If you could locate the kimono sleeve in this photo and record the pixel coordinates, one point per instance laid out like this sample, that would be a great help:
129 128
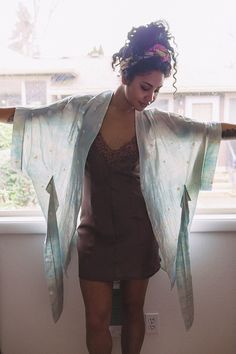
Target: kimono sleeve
213 139
208 135
41 136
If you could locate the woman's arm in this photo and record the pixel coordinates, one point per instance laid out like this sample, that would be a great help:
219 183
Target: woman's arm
228 131
7 115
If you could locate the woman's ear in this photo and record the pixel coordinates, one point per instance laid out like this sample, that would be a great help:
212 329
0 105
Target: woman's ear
124 79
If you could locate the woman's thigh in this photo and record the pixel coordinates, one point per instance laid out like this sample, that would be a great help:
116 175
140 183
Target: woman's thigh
97 296
133 294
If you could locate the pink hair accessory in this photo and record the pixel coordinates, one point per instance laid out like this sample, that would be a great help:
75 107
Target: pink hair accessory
158 49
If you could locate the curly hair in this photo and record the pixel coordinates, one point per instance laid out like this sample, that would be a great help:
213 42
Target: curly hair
139 40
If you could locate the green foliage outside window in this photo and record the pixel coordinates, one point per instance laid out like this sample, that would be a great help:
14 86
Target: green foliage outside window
16 191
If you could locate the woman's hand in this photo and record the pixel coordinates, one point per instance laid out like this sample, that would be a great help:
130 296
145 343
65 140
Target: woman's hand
228 131
7 115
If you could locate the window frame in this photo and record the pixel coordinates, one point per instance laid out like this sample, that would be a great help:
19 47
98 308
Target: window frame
204 98
228 96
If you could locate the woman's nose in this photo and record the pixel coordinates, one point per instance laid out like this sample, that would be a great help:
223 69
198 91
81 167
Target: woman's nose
151 97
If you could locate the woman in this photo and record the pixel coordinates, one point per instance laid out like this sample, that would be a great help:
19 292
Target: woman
121 165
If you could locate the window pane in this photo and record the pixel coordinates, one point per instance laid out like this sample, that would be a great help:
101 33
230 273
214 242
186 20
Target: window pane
10 92
232 110
162 104
36 93
16 191
202 111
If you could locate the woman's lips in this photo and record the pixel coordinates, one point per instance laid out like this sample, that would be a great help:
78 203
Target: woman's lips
143 104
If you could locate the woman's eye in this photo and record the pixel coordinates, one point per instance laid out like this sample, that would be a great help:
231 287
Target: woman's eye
145 88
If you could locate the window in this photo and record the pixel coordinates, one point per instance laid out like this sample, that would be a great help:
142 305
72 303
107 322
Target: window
202 108
16 191
232 109
10 92
35 92
163 102
43 61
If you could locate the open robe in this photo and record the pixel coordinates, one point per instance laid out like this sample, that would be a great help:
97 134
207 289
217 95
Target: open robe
177 158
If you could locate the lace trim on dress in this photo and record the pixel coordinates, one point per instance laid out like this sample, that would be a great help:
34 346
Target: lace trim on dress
127 151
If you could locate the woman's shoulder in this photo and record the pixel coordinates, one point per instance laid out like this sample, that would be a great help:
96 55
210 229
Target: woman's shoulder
168 116
78 99
159 115
174 122
92 99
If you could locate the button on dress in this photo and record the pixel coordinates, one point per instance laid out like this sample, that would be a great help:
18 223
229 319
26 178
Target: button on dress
115 236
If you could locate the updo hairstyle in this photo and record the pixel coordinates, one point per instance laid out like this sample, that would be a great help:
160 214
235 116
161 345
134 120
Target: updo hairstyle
139 41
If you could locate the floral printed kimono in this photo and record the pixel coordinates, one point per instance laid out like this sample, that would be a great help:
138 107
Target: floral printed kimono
177 158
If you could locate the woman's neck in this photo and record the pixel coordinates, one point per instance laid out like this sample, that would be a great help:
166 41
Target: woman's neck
119 101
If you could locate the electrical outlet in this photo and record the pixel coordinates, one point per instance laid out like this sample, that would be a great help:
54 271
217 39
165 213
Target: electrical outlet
152 323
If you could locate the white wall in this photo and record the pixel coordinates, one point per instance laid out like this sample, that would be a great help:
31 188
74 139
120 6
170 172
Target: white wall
25 319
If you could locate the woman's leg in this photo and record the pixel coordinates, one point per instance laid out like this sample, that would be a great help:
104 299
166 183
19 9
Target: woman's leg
98 306
133 327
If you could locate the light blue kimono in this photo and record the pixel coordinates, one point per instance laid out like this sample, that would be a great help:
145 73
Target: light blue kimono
177 158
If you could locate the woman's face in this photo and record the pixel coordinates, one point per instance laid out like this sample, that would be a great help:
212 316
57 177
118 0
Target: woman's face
143 89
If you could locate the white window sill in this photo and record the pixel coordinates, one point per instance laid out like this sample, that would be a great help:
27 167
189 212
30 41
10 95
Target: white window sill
22 225
37 225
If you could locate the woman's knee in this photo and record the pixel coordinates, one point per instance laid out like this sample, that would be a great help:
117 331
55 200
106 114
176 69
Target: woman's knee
98 303
98 320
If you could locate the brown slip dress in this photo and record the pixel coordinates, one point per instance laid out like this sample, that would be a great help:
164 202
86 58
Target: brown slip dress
115 236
